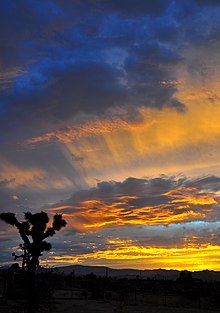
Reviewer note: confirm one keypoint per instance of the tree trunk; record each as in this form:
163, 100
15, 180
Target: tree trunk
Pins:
31, 301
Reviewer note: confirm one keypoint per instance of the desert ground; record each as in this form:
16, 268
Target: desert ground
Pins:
58, 293
98, 306
94, 306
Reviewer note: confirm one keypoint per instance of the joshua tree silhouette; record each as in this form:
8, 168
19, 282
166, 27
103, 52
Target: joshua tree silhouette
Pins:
33, 231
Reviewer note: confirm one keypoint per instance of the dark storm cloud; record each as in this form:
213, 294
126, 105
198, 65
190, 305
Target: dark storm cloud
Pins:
209, 183
59, 63
203, 59
145, 77
26, 27
24, 24
89, 88
123, 7
208, 2
73, 91
131, 7
130, 187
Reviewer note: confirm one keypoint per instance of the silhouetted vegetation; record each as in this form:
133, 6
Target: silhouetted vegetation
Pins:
33, 231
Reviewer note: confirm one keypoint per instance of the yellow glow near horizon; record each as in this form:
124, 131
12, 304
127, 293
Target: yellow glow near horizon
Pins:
126, 254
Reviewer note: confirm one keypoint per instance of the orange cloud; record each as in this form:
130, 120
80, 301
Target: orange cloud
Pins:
86, 219
191, 196
144, 202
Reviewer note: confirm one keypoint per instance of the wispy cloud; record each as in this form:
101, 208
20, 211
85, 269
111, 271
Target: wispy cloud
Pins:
89, 129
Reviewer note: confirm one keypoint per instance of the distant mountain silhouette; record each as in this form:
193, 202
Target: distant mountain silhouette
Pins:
159, 274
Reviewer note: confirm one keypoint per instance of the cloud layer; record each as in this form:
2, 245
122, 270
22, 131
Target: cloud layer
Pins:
156, 201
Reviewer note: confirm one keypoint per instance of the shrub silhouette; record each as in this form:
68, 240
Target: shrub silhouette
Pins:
33, 231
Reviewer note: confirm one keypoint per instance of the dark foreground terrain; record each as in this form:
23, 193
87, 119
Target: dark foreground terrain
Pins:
60, 292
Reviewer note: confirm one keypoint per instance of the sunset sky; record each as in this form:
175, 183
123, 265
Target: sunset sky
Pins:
110, 115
